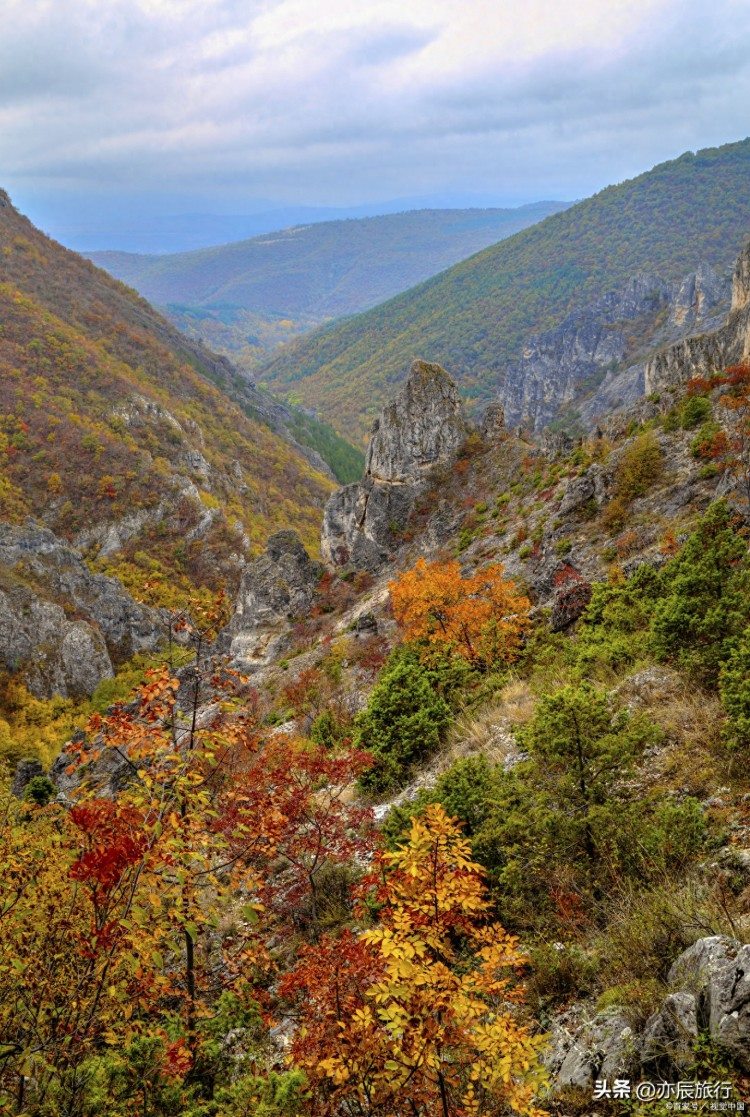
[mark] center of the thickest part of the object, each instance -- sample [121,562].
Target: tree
[480,617]
[413,1018]
[403,722]
[308,789]
[582,748]
[705,597]
[67,887]
[734,688]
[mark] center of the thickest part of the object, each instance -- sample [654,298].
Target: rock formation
[62,627]
[709,994]
[423,427]
[276,588]
[593,360]
[671,368]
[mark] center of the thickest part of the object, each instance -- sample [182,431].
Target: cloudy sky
[114,107]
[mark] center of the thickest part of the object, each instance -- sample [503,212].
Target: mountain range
[121,435]
[248,297]
[478,317]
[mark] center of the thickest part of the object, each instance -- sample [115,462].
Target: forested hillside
[475,317]
[114,436]
[246,298]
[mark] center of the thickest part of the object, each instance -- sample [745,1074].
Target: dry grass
[694,758]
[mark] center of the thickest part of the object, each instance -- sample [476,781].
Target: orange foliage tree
[479,616]
[730,448]
[416,1017]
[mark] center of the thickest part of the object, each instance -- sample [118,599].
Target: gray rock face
[424,426]
[717,971]
[605,1047]
[493,422]
[710,993]
[25,771]
[109,774]
[728,1002]
[579,491]
[276,588]
[61,626]
[590,361]
[697,299]
[670,369]
[669,1036]
[695,965]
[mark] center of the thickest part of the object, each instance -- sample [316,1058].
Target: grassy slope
[76,347]
[474,317]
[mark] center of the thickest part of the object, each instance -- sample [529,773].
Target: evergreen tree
[403,722]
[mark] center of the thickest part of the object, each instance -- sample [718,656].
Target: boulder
[692,970]
[668,1044]
[728,1004]
[605,1047]
[717,971]
[424,426]
[62,626]
[579,491]
[570,603]
[276,588]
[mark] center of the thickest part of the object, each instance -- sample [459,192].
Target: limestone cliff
[592,363]
[698,356]
[276,588]
[62,627]
[422,427]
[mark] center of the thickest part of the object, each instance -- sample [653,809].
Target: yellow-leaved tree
[481,616]
[419,1016]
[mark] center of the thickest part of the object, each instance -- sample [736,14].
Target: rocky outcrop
[671,368]
[423,427]
[593,361]
[716,970]
[62,627]
[603,1047]
[276,588]
[590,361]
[709,994]
[669,1037]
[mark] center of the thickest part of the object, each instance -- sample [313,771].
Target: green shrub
[706,598]
[39,790]
[403,723]
[694,411]
[329,729]
[734,688]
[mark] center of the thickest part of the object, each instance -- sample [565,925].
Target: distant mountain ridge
[247,297]
[477,317]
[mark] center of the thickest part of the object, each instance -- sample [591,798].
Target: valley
[395,782]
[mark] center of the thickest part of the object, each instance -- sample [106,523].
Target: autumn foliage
[729,448]
[480,616]
[416,1015]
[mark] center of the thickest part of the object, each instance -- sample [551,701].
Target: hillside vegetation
[248,297]
[108,413]
[475,317]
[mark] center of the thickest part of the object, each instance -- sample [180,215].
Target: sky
[115,111]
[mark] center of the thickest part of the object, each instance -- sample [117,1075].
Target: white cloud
[340,100]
